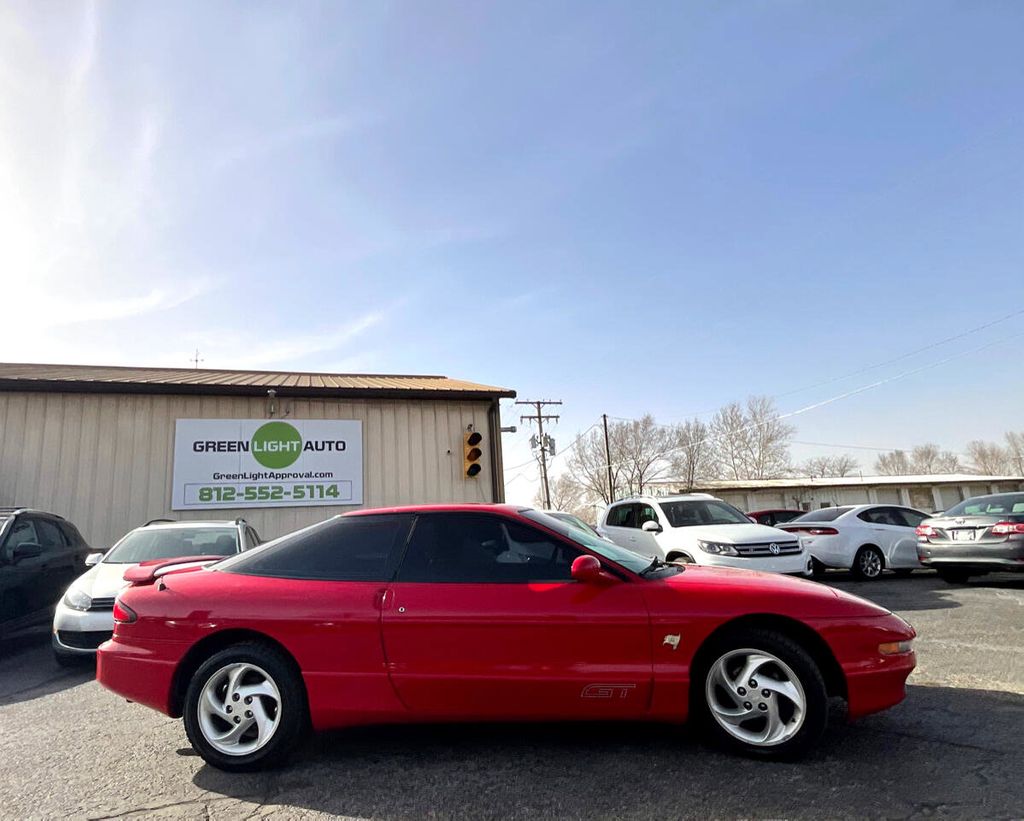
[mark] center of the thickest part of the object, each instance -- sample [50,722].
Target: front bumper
[80,632]
[797,564]
[996,556]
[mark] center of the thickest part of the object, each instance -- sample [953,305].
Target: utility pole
[608,459]
[543,441]
[196,360]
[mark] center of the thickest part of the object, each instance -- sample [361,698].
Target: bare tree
[588,466]
[924,459]
[751,441]
[568,496]
[643,448]
[1015,452]
[692,455]
[988,458]
[895,463]
[729,431]
[828,466]
[949,462]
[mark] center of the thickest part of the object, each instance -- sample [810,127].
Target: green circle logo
[276,445]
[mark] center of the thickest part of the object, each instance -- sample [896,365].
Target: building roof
[841,481]
[112,379]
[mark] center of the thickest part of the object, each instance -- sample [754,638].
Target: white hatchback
[866,539]
[699,529]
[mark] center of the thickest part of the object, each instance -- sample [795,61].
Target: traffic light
[471,453]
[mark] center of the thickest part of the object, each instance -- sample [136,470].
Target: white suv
[700,529]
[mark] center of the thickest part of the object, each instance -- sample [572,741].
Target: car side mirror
[26,550]
[588,569]
[93,559]
[651,527]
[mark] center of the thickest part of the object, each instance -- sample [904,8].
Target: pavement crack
[925,738]
[184,802]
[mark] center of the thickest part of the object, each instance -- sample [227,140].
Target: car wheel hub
[770,712]
[239,709]
[870,564]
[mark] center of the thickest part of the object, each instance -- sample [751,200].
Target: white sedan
[866,539]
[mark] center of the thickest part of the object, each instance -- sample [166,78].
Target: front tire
[817,568]
[245,708]
[759,693]
[868,563]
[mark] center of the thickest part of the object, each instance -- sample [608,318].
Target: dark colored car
[775,516]
[40,555]
[980,535]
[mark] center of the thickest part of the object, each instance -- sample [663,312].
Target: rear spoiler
[149,572]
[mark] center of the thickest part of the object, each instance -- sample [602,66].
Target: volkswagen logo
[960,521]
[774,549]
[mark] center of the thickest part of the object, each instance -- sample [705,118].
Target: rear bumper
[1004,555]
[141,674]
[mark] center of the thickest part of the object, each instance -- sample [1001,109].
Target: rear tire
[868,563]
[817,568]
[785,723]
[954,576]
[246,708]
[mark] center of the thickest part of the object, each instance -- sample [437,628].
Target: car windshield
[610,550]
[826,514]
[575,521]
[700,512]
[1011,504]
[172,542]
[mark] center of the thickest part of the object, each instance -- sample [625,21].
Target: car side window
[907,518]
[50,537]
[467,548]
[620,515]
[23,532]
[350,548]
[647,514]
[869,516]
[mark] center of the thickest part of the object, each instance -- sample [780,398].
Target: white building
[927,493]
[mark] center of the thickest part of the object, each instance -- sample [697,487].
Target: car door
[60,566]
[620,524]
[26,595]
[903,551]
[485,621]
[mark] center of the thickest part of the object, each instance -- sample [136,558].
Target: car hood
[736,534]
[768,592]
[103,580]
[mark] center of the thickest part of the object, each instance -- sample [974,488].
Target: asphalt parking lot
[71,749]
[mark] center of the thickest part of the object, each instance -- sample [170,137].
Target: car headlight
[717,548]
[77,599]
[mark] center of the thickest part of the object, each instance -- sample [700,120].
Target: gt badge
[607,690]
[672,640]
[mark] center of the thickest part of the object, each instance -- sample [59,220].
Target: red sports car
[472,612]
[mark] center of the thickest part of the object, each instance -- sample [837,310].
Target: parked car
[866,539]
[485,613]
[40,554]
[697,528]
[84,617]
[569,518]
[775,516]
[977,536]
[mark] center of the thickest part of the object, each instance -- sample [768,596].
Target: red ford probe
[472,612]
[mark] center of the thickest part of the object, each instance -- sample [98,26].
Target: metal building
[98,444]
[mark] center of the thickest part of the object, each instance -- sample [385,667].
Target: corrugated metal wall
[104,460]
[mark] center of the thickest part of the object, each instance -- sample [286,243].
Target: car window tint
[910,518]
[621,516]
[995,504]
[647,514]
[23,532]
[354,548]
[867,516]
[458,548]
[50,537]
[825,514]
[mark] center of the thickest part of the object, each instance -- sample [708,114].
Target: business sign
[255,463]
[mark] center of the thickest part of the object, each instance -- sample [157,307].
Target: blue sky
[631,207]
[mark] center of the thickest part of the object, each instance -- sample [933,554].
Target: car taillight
[1008,528]
[814,531]
[123,614]
[925,530]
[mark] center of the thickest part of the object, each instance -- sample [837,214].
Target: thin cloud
[327,128]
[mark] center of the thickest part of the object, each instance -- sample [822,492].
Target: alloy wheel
[239,709]
[869,563]
[755,697]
